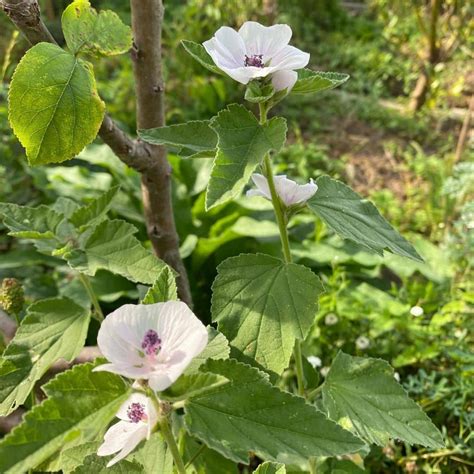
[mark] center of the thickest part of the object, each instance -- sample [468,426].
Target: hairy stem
[173,447]
[282,221]
[98,314]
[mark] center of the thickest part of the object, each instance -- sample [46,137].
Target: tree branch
[147,18]
[150,161]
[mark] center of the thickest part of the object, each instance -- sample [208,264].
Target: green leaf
[270,468]
[242,144]
[278,426]
[217,348]
[54,107]
[199,53]
[41,224]
[102,34]
[153,455]
[262,305]
[164,288]
[357,219]
[113,247]
[98,465]
[190,138]
[310,81]
[52,329]
[257,92]
[361,394]
[71,458]
[94,211]
[79,407]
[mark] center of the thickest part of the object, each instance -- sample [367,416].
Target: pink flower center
[151,343]
[256,60]
[136,412]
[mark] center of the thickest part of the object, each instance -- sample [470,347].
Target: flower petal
[226,48]
[289,58]
[125,370]
[265,40]
[292,193]
[284,80]
[132,442]
[262,187]
[118,436]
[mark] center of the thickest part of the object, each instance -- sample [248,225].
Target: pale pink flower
[289,191]
[257,51]
[138,417]
[154,342]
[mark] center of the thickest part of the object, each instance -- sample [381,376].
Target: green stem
[196,455]
[99,315]
[282,221]
[173,447]
[314,393]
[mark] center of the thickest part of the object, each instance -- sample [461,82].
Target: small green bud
[12,296]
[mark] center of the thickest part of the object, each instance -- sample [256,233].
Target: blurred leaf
[86,31]
[54,107]
[52,329]
[362,395]
[270,468]
[262,305]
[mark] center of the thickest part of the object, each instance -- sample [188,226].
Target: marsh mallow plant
[244,387]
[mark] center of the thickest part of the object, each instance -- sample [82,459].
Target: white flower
[362,342]
[416,311]
[396,376]
[154,342]
[289,191]
[138,417]
[315,361]
[257,51]
[324,371]
[331,319]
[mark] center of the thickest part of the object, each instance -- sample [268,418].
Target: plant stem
[170,441]
[99,315]
[282,221]
[315,392]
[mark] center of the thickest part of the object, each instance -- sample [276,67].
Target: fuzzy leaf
[361,394]
[153,455]
[278,426]
[262,304]
[94,211]
[79,406]
[113,247]
[101,34]
[190,138]
[199,53]
[357,219]
[164,288]
[54,107]
[310,82]
[242,144]
[52,329]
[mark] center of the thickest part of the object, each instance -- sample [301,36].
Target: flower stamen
[136,412]
[151,343]
[256,60]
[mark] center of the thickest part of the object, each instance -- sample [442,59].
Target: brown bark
[150,161]
[147,20]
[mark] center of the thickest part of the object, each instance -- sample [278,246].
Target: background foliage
[362,133]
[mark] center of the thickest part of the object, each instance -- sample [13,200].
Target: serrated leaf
[54,107]
[79,407]
[310,82]
[164,288]
[357,219]
[98,465]
[199,53]
[270,468]
[242,144]
[262,304]
[71,458]
[113,247]
[41,224]
[257,92]
[278,426]
[153,455]
[217,348]
[363,395]
[195,138]
[65,206]
[94,211]
[52,329]
[102,34]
